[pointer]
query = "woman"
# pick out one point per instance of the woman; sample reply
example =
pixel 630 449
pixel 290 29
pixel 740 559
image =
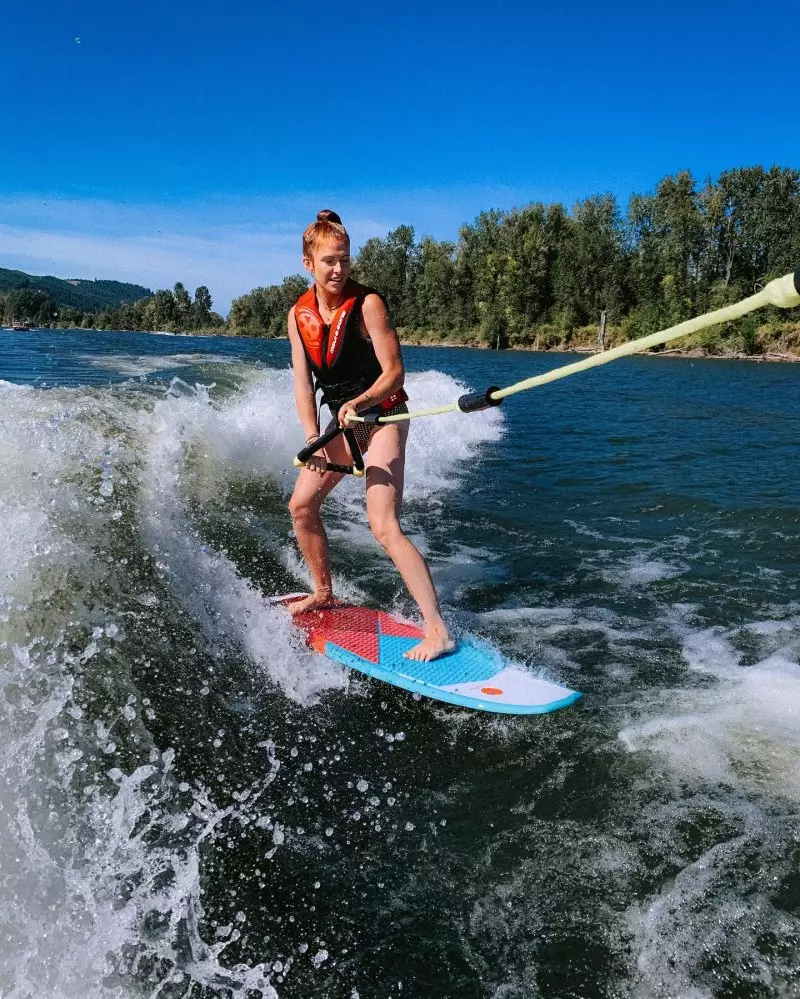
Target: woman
pixel 343 341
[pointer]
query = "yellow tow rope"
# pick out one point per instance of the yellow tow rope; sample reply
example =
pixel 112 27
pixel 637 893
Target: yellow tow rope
pixel 783 292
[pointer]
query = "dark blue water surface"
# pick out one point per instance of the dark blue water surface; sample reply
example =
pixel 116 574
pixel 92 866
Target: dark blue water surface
pixel 193 804
pixel 76 357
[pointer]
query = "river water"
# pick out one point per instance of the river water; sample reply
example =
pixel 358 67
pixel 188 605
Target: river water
pixel 193 804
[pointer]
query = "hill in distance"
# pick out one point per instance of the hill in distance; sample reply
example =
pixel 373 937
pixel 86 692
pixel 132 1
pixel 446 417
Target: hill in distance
pixel 88 296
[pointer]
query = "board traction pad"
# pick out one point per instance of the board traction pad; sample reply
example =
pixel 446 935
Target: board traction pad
pixel 472 675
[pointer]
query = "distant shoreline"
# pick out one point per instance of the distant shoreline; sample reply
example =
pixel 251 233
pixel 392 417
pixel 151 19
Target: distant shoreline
pixel 768 356
pixel 690 352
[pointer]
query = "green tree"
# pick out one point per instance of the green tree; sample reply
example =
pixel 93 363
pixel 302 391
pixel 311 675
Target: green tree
pixel 391 266
pixel 184 316
pixel 164 311
pixel 28 305
pixel 263 311
pixel 202 306
pixel 535 234
pixel 434 286
pixel 668 233
pixel 590 267
pixel 759 236
pixel 483 265
pixel 680 224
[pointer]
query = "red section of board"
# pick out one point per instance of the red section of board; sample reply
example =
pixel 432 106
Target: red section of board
pixel 398 629
pixel 351 628
pixel 356 629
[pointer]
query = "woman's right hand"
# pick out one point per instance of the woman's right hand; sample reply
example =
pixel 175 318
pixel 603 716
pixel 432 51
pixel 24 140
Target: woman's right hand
pixel 318 462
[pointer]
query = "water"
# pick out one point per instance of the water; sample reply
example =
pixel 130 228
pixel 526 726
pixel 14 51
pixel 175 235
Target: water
pixel 193 804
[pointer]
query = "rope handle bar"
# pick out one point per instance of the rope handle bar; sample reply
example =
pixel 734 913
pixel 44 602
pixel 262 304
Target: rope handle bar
pixel 357 468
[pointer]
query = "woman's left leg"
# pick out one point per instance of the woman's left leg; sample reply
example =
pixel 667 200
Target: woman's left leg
pixel 385 463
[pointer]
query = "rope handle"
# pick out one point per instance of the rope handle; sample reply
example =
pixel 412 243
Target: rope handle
pixel 357 468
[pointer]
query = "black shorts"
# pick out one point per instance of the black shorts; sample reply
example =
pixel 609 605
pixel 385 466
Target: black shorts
pixel 363 431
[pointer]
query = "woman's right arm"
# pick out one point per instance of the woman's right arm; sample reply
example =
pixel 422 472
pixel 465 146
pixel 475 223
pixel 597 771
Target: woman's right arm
pixel 303 383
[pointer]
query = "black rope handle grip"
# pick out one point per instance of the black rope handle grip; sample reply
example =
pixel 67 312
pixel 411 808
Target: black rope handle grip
pixel 473 402
pixel 357 468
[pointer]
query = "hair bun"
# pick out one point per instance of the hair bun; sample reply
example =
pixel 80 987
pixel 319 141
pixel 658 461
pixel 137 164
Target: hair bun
pixel 326 215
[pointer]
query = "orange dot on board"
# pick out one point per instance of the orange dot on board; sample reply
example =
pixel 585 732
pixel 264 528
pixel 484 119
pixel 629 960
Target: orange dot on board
pixel 491 690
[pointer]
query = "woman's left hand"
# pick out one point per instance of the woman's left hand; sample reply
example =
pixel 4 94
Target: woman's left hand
pixel 348 409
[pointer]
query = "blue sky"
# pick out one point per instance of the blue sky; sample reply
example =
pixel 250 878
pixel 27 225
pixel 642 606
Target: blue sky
pixel 157 142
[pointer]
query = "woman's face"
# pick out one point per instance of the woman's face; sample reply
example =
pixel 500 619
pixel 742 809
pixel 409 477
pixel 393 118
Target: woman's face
pixel 330 264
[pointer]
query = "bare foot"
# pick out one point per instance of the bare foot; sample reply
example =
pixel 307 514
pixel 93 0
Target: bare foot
pixel 315 601
pixel 433 645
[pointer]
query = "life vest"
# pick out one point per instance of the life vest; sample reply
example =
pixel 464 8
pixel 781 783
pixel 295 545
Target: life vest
pixel 343 362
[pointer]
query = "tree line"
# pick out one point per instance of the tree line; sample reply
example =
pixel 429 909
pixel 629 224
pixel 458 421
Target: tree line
pixel 540 276
pixel 173 311
pixel 84 294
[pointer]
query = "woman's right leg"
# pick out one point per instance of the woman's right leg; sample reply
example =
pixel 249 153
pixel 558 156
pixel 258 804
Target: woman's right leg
pixel 385 473
pixel 309 493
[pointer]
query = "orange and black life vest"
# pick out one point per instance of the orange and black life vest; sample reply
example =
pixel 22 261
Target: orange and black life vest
pixel 343 362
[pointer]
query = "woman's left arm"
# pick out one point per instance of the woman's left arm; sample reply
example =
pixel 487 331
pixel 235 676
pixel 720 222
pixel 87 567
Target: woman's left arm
pixel 387 350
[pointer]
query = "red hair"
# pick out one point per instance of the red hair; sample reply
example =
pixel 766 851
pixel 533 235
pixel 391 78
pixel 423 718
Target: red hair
pixel 327 226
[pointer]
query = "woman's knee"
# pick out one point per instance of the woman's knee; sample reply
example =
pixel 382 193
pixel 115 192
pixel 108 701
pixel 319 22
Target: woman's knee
pixel 386 532
pixel 303 507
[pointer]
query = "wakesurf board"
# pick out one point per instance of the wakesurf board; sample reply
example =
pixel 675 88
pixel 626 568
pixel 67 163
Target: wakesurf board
pixel 473 675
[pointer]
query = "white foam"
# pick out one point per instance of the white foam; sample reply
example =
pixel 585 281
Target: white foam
pixel 770 627
pixel 551 621
pixel 438 447
pixel 257 432
pixel 597 535
pixel 744 728
pixel 81 873
pixel 53 451
pixel 534 614
pixel 132 365
pixel 230 611
pixel 716 911
pixel 79 885
pixel 641 570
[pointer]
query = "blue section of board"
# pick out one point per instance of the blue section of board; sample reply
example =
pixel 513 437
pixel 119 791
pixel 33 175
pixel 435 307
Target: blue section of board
pixel 465 664
pixel 420 686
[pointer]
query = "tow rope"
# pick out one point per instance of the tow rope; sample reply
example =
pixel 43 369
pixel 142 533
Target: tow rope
pixel 783 292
